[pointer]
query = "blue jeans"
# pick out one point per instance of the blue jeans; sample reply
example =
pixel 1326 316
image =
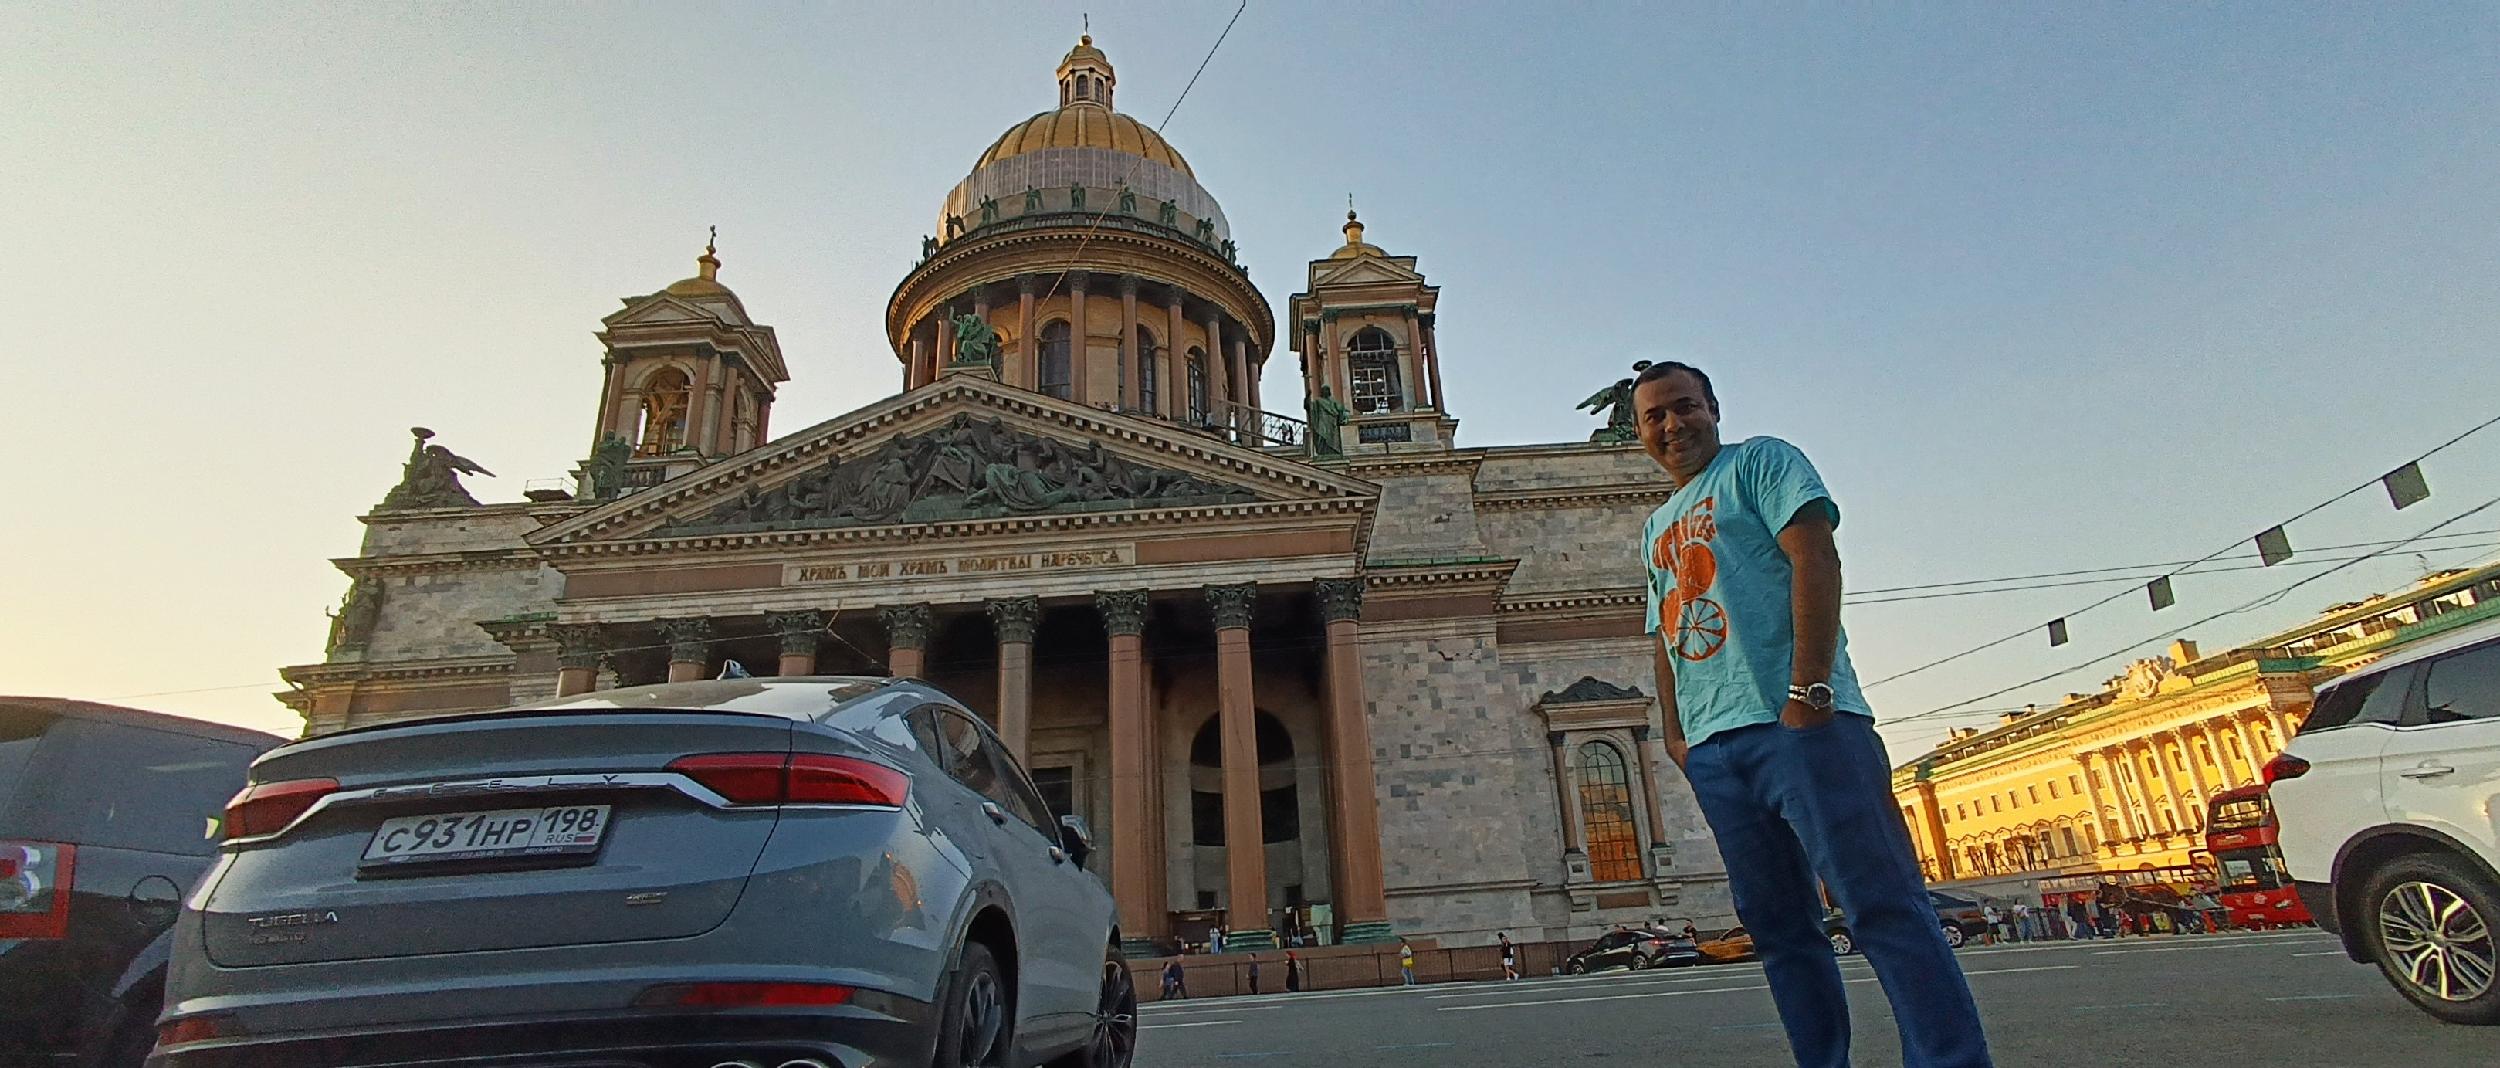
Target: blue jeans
pixel 1790 804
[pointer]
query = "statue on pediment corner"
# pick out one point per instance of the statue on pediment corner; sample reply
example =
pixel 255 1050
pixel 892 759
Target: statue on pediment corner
pixel 352 625
pixel 606 470
pixel 431 477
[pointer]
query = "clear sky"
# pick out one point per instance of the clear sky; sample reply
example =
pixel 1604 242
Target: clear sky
pixel 2039 288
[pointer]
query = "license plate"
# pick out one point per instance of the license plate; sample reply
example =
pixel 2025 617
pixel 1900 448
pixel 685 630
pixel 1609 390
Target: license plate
pixel 563 830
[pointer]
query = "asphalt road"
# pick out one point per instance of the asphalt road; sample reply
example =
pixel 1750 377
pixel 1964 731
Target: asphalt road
pixel 2279 998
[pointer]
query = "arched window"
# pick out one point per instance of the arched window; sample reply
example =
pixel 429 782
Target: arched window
pixel 1058 377
pixel 1606 820
pixel 1372 357
pixel 666 398
pixel 1280 809
pixel 1149 376
pixel 1197 386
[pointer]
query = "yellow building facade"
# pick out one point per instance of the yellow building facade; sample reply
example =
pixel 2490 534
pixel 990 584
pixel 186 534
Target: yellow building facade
pixel 2119 780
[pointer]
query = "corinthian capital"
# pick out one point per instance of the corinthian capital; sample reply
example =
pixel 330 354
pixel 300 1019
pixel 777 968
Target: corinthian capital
pixel 1233 605
pixel 1123 611
pixel 906 625
pixel 1340 599
pixel 1015 618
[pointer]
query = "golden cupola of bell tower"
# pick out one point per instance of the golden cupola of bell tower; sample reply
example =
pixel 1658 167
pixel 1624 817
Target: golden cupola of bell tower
pixel 1365 332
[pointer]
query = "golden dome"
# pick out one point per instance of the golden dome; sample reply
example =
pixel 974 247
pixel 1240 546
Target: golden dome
pixel 706 280
pixel 1084 125
pixel 1354 243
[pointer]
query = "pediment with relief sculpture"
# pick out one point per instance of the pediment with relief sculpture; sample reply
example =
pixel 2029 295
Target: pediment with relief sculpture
pixel 964 450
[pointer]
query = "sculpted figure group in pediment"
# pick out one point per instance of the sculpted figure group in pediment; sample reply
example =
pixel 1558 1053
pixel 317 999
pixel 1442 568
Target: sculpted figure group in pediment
pixel 969 468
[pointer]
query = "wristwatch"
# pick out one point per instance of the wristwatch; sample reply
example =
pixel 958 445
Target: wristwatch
pixel 1817 695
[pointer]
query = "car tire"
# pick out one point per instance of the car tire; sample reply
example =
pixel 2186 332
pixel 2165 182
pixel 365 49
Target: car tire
pixel 1113 1043
pixel 1842 944
pixel 1953 935
pixel 1573 967
pixel 976 1022
pixel 2432 922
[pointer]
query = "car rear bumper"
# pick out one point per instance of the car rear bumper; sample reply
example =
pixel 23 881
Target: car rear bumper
pixel 890 1031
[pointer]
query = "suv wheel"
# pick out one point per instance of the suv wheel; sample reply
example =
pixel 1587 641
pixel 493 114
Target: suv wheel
pixel 1842 944
pixel 973 1024
pixel 1953 935
pixel 1114 1040
pixel 2428 921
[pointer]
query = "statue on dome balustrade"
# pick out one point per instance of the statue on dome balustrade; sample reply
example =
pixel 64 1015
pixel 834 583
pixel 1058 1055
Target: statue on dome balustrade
pixel 989 209
pixel 1032 200
pixel 1169 214
pixel 1076 198
pixel 1128 200
pixel 606 470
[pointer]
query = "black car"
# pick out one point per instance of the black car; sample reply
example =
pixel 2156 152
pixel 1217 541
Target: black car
pixel 107 817
pixel 1961 920
pixel 1635 948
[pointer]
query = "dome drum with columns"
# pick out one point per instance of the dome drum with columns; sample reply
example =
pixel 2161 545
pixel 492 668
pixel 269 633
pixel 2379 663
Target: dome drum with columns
pixel 1084 241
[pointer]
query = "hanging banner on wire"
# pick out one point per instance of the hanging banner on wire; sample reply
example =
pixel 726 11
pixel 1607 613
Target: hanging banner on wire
pixel 2274 546
pixel 2160 592
pixel 2057 632
pixel 2406 487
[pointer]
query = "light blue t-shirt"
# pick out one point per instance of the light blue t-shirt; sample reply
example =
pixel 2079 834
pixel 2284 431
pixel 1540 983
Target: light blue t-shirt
pixel 1719 586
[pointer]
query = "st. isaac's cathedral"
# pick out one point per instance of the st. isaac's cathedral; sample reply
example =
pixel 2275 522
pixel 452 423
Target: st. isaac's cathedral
pixel 1413 673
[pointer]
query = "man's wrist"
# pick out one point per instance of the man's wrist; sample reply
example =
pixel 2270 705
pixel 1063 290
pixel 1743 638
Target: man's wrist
pixel 1816 695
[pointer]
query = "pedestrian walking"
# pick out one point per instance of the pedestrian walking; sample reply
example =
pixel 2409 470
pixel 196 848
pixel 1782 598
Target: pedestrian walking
pixel 1762 711
pixel 1254 975
pixel 1510 958
pixel 1996 924
pixel 1215 939
pixel 1293 973
pixel 1175 981
pixel 1406 963
pixel 2079 921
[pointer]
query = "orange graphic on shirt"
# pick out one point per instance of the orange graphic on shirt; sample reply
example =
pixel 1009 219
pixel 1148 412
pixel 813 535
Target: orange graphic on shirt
pixel 1683 550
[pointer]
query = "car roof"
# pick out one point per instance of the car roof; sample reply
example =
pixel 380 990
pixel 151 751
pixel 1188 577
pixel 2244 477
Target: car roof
pixel 95 712
pixel 806 698
pixel 2440 645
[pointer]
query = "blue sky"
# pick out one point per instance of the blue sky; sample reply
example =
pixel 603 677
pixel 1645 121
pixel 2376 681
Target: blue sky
pixel 2038 288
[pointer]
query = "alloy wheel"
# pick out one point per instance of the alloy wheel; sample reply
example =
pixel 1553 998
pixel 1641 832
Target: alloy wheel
pixel 1115 1019
pixel 983 1021
pixel 2437 941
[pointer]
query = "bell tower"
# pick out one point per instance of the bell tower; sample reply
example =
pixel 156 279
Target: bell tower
pixel 1364 329
pixel 690 379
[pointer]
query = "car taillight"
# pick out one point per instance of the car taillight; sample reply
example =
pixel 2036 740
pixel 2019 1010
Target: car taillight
pixel 195 1029
pixel 741 995
pixel 35 880
pixel 2285 766
pixel 801 778
pixel 267 807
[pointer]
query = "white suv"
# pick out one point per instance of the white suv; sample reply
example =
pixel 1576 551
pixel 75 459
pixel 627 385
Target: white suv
pixel 2388 800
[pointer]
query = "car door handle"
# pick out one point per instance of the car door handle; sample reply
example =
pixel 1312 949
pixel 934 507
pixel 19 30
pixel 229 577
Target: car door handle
pixel 2427 771
pixel 996 814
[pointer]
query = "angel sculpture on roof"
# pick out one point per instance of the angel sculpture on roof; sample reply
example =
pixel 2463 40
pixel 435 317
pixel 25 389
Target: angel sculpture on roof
pixel 431 477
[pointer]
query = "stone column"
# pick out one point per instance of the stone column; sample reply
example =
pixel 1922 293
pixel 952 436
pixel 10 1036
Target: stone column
pixel 613 419
pixel 1315 360
pixel 1175 391
pixel 1931 827
pixel 907 638
pixel 2100 816
pixel 1219 395
pixel 1132 361
pixel 2222 754
pixel 578 649
pixel 1078 338
pixel 799 632
pixel 919 358
pixel 2122 780
pixel 1412 378
pixel 699 408
pixel 1565 798
pixel 1652 758
pixel 1136 824
pixel 2169 782
pixel 1237 368
pixel 689 647
pixel 2255 760
pixel 2196 774
pixel 1432 362
pixel 1025 369
pixel 1362 904
pixel 1015 618
pixel 2282 726
pixel 1245 841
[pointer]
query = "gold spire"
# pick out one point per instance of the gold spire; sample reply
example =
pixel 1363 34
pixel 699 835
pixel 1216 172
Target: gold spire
pixel 707 265
pixel 1353 226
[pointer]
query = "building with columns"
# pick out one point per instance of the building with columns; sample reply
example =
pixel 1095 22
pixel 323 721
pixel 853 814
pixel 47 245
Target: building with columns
pixel 1372 682
pixel 2120 780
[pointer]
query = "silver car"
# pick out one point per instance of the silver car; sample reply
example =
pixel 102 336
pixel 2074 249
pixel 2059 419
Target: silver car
pixel 781 873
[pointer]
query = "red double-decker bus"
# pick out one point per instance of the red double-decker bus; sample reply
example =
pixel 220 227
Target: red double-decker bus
pixel 2255 890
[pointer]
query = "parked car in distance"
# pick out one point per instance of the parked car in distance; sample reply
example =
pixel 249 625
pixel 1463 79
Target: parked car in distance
pixel 1959 918
pixel 1635 948
pixel 2386 801
pixel 839 871
pixel 107 816
pixel 1732 946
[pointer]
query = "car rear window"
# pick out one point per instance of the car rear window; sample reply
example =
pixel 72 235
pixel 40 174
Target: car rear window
pixel 117 786
pixel 21 730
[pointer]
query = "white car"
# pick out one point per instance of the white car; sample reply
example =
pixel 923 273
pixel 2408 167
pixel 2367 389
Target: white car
pixel 2388 799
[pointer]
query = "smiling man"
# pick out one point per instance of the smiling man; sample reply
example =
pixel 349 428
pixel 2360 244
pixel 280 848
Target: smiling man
pixel 1763 713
